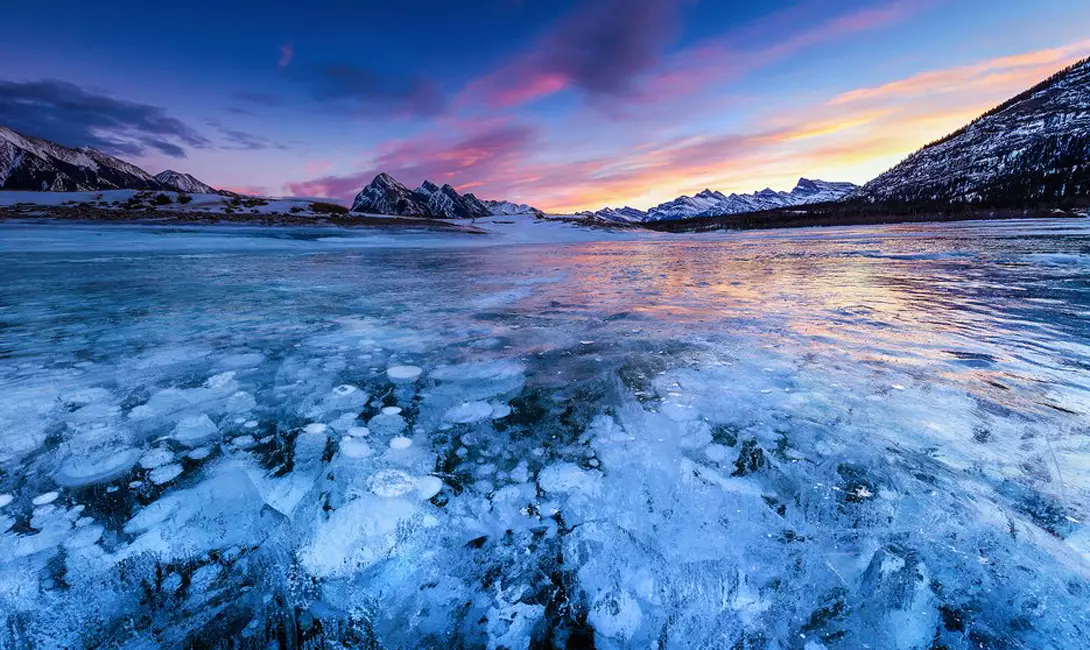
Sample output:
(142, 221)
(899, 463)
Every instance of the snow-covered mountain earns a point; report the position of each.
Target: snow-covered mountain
(710, 203)
(1034, 147)
(184, 182)
(29, 163)
(385, 195)
(509, 208)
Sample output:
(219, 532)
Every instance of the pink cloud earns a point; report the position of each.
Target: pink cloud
(486, 150)
(287, 53)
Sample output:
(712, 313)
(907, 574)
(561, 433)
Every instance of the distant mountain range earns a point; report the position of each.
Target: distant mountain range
(385, 195)
(1031, 152)
(1033, 148)
(709, 203)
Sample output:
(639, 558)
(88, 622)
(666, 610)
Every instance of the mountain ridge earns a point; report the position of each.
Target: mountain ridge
(712, 203)
(1033, 147)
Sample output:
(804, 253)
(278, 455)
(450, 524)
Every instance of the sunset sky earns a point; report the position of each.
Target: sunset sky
(565, 104)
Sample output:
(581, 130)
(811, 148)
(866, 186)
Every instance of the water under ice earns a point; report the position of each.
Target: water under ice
(844, 438)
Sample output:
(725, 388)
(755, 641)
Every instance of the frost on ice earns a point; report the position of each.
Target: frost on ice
(650, 444)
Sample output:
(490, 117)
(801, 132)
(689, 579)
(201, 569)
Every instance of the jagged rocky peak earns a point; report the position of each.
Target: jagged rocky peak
(384, 195)
(1031, 148)
(30, 163)
(427, 187)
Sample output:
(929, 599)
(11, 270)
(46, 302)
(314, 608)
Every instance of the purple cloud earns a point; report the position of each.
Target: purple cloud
(601, 49)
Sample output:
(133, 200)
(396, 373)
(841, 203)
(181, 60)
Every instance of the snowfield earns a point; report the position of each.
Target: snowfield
(206, 203)
(321, 437)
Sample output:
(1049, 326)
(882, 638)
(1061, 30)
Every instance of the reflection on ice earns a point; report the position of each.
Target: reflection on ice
(870, 437)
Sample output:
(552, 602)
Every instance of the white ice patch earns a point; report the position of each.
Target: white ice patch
(156, 457)
(94, 468)
(468, 412)
(403, 374)
(356, 536)
(355, 448)
(428, 486)
(165, 474)
(45, 499)
(195, 430)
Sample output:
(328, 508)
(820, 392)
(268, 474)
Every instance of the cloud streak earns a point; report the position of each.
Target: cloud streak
(67, 114)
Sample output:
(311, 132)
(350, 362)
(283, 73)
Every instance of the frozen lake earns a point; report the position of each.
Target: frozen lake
(278, 438)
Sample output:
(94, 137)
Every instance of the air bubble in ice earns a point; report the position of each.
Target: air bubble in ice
(355, 448)
(403, 374)
(469, 412)
(392, 483)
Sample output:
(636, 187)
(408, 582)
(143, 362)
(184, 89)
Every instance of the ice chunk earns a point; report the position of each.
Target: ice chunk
(391, 410)
(428, 486)
(568, 477)
(469, 412)
(241, 402)
(500, 410)
(356, 536)
(45, 498)
(359, 432)
(392, 483)
(165, 474)
(5, 499)
(401, 442)
(403, 374)
(223, 511)
(221, 381)
(93, 468)
(200, 453)
(156, 457)
(315, 428)
(195, 430)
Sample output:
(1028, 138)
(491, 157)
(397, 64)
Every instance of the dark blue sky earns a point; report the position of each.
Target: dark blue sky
(569, 103)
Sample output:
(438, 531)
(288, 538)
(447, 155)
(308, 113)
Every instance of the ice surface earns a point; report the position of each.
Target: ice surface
(829, 438)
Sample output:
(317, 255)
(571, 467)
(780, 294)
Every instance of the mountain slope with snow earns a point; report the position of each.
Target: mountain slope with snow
(1035, 147)
(184, 182)
(29, 163)
(709, 203)
(510, 208)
